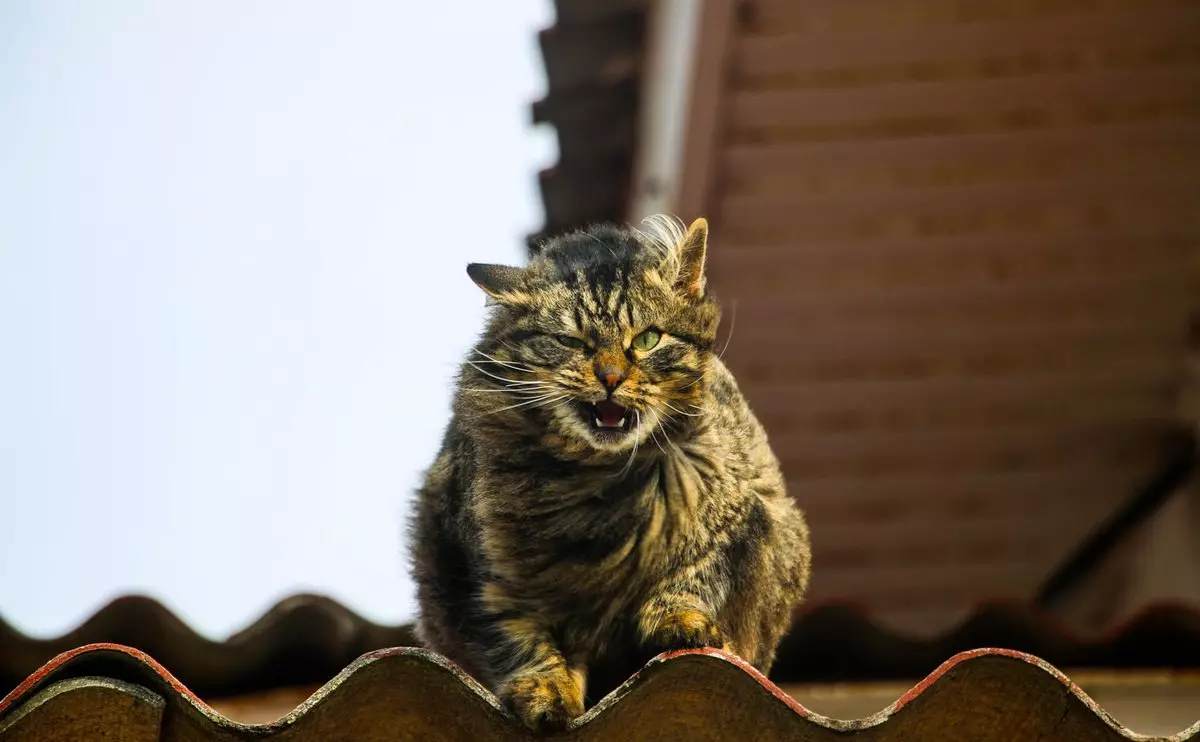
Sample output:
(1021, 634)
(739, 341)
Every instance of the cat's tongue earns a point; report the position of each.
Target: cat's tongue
(610, 414)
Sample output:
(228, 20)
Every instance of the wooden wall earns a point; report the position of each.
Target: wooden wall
(958, 242)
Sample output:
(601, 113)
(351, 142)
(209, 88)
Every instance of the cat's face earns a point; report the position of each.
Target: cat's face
(604, 340)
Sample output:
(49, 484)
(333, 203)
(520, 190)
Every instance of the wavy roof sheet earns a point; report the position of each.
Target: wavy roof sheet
(988, 694)
(308, 639)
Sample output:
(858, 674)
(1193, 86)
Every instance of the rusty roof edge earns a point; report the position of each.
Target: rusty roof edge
(695, 669)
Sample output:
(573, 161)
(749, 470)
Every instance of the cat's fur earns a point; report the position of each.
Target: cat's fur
(552, 557)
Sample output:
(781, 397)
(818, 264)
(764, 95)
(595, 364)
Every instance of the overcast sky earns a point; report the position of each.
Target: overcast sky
(232, 290)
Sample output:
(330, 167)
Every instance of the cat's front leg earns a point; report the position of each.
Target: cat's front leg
(677, 618)
(543, 690)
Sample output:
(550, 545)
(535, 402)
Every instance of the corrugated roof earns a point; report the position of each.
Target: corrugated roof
(988, 694)
(308, 639)
(303, 639)
(594, 59)
(960, 244)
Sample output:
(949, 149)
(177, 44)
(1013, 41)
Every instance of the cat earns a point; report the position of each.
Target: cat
(603, 491)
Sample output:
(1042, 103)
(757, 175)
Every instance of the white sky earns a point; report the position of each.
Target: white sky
(232, 290)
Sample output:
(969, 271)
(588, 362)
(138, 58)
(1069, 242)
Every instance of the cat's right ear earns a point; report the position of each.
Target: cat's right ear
(505, 284)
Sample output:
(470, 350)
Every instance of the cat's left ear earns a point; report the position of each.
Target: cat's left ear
(691, 251)
(503, 283)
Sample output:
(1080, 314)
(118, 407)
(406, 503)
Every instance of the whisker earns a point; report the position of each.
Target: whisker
(514, 392)
(506, 364)
(603, 244)
(654, 438)
(637, 416)
(552, 397)
(698, 379)
(557, 402)
(732, 325)
(679, 411)
(492, 359)
(666, 437)
(497, 377)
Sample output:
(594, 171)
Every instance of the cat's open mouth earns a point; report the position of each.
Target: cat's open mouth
(609, 416)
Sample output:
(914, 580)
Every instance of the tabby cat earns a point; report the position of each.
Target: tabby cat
(603, 492)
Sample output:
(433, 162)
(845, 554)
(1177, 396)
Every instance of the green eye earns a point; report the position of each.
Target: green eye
(571, 342)
(646, 340)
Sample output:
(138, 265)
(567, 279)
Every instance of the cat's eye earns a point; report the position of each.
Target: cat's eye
(571, 342)
(646, 340)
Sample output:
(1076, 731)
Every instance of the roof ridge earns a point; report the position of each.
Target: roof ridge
(429, 698)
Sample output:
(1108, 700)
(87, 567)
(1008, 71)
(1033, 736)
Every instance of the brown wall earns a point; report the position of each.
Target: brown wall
(962, 241)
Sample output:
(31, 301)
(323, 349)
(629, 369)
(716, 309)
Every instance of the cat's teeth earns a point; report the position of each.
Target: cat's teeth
(601, 424)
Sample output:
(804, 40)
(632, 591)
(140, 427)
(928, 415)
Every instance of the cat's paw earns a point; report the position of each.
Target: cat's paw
(544, 701)
(687, 629)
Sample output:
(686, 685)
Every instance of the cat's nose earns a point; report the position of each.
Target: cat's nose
(610, 377)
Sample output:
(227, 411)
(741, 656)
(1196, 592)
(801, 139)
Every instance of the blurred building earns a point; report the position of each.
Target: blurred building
(959, 246)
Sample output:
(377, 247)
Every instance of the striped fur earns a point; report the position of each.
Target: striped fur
(552, 559)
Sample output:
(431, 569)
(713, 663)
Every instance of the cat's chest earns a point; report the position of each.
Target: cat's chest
(677, 483)
(627, 528)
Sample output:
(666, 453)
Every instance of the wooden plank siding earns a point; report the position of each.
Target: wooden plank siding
(959, 248)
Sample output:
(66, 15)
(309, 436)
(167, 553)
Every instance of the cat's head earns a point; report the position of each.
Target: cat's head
(604, 340)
